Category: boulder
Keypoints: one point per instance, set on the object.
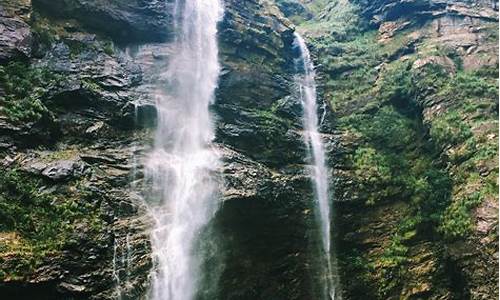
(61, 170)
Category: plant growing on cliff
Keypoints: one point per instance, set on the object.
(449, 129)
(391, 266)
(38, 222)
(24, 87)
(457, 221)
(396, 84)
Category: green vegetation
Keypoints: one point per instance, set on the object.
(457, 221)
(466, 133)
(45, 33)
(379, 104)
(397, 84)
(272, 137)
(38, 222)
(430, 163)
(338, 20)
(377, 175)
(24, 88)
(396, 164)
(450, 129)
(108, 48)
(392, 265)
(354, 67)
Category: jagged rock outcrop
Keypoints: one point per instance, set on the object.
(415, 217)
(267, 218)
(381, 11)
(68, 148)
(126, 21)
(409, 130)
(85, 139)
(16, 38)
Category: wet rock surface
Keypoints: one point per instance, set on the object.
(101, 108)
(126, 21)
(381, 252)
(86, 149)
(16, 39)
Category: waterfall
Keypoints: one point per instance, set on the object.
(182, 164)
(122, 264)
(319, 174)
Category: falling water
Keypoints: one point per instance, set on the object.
(182, 164)
(122, 264)
(308, 97)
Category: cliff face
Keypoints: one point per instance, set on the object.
(411, 135)
(413, 90)
(75, 131)
(269, 241)
(68, 145)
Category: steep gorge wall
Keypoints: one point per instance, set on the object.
(74, 134)
(411, 134)
(413, 89)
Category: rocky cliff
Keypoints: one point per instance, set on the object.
(413, 89)
(77, 117)
(410, 130)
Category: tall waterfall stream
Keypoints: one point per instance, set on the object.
(182, 164)
(308, 96)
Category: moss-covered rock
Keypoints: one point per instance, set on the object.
(416, 116)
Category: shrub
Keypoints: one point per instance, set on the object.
(449, 129)
(42, 222)
(397, 84)
(391, 265)
(24, 88)
(457, 219)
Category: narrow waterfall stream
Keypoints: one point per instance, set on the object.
(182, 164)
(319, 173)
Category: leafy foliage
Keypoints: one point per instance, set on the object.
(41, 221)
(391, 264)
(24, 87)
(450, 129)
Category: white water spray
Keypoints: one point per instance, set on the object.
(308, 97)
(183, 162)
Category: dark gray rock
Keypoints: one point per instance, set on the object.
(16, 39)
(293, 8)
(62, 169)
(93, 86)
(123, 20)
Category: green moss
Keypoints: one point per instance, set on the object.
(272, 136)
(90, 85)
(339, 19)
(457, 220)
(66, 154)
(386, 128)
(450, 129)
(478, 84)
(45, 33)
(396, 83)
(357, 77)
(375, 172)
(108, 48)
(435, 166)
(36, 221)
(76, 47)
(431, 194)
(25, 86)
(392, 266)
